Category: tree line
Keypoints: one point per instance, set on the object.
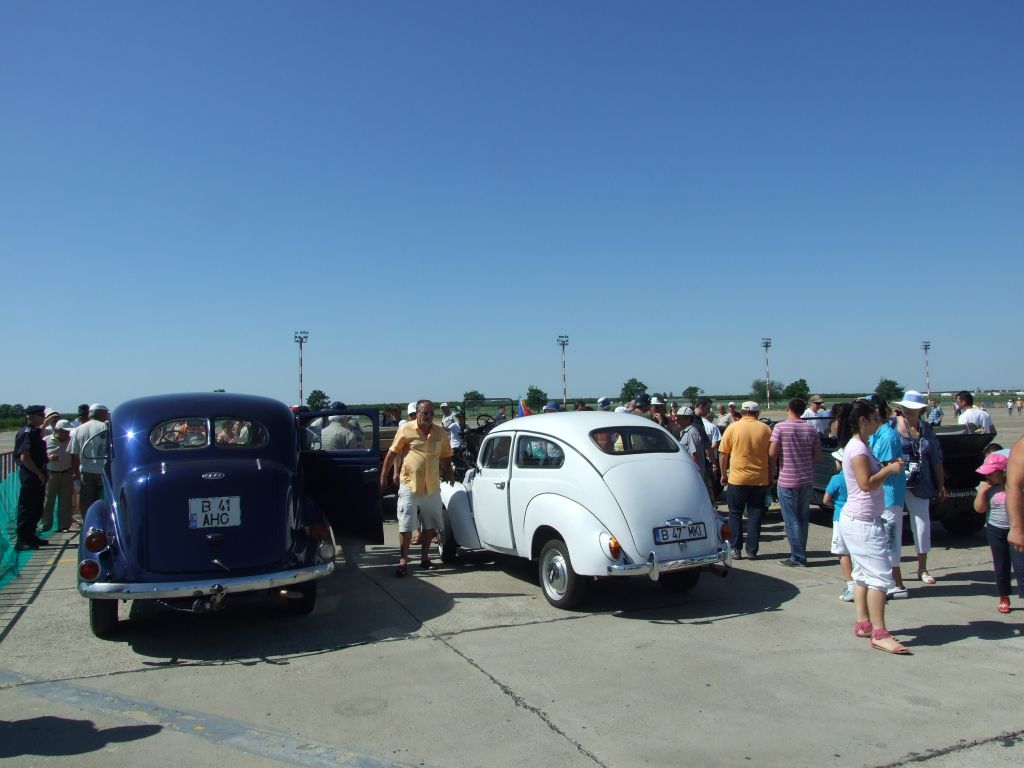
(536, 397)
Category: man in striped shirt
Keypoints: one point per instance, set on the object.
(793, 450)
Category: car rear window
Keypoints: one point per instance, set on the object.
(623, 440)
(194, 432)
(238, 433)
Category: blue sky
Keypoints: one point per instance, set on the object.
(437, 190)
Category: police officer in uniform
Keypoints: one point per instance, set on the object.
(30, 453)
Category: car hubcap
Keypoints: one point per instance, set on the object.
(555, 574)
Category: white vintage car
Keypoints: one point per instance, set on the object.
(587, 494)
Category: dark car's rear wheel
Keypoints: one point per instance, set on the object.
(446, 544)
(304, 605)
(680, 581)
(562, 587)
(103, 617)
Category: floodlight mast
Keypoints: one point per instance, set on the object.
(926, 345)
(766, 342)
(562, 342)
(301, 337)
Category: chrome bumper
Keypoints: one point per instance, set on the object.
(157, 590)
(653, 567)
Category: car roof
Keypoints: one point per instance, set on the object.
(574, 428)
(156, 407)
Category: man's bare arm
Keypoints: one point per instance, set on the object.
(1014, 495)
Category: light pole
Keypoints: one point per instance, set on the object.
(562, 342)
(766, 342)
(926, 345)
(301, 337)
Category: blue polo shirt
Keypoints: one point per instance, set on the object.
(836, 488)
(887, 445)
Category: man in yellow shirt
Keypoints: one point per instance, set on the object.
(419, 458)
(743, 459)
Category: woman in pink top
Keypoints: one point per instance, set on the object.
(863, 530)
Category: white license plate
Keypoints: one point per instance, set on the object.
(671, 533)
(215, 512)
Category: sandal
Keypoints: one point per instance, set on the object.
(426, 565)
(880, 634)
(1004, 605)
(862, 629)
(402, 569)
(926, 578)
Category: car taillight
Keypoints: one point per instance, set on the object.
(88, 570)
(95, 541)
(320, 532)
(726, 532)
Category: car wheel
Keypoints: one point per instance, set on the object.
(103, 617)
(303, 606)
(562, 587)
(963, 525)
(680, 581)
(446, 544)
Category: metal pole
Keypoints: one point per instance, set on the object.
(301, 337)
(766, 342)
(926, 345)
(562, 341)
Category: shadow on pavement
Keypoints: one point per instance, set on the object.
(355, 606)
(55, 736)
(944, 634)
(741, 592)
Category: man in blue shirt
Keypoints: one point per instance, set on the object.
(934, 413)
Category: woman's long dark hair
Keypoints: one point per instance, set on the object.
(849, 426)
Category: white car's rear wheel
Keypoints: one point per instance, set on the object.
(562, 587)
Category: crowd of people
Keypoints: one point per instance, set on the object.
(60, 465)
(887, 461)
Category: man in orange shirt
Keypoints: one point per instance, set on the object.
(426, 459)
(743, 459)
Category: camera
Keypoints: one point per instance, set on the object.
(913, 473)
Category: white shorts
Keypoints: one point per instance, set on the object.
(868, 542)
(428, 505)
(838, 545)
(893, 517)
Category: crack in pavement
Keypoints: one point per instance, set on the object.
(1009, 739)
(517, 699)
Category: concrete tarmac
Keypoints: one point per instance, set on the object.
(468, 666)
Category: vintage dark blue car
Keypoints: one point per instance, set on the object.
(214, 494)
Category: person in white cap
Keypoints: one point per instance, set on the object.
(447, 417)
(604, 403)
(926, 480)
(50, 417)
(60, 486)
(410, 414)
(88, 451)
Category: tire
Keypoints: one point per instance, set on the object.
(447, 546)
(303, 606)
(561, 585)
(963, 525)
(103, 617)
(680, 581)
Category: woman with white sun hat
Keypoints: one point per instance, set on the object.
(922, 461)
